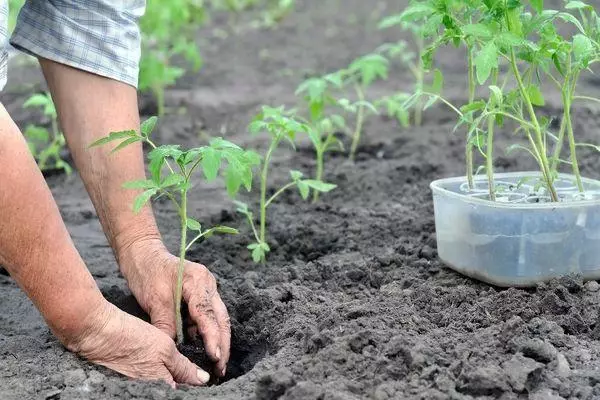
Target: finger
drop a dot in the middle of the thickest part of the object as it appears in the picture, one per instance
(203, 314)
(225, 332)
(185, 371)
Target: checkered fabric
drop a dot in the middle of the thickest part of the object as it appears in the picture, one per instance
(97, 36)
(3, 41)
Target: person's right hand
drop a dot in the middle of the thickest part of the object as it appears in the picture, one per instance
(134, 348)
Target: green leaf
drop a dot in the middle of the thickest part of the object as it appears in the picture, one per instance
(113, 136)
(140, 184)
(497, 94)
(478, 30)
(142, 199)
(538, 5)
(172, 180)
(155, 167)
(486, 61)
(390, 21)
(37, 134)
(148, 126)
(535, 96)
(577, 5)
(319, 186)
(211, 163)
(417, 11)
(296, 175)
(258, 254)
(474, 106)
(303, 188)
(126, 143)
(583, 49)
(193, 225)
(438, 82)
(225, 229)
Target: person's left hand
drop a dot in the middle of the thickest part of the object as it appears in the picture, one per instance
(151, 272)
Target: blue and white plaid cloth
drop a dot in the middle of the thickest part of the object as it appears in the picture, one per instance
(97, 36)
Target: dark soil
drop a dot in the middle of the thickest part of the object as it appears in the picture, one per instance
(353, 302)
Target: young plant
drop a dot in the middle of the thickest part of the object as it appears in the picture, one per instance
(281, 126)
(361, 73)
(218, 156)
(421, 34)
(527, 39)
(46, 145)
(167, 33)
(316, 95)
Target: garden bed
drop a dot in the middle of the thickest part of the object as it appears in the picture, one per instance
(353, 302)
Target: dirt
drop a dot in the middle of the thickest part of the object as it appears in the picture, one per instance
(353, 302)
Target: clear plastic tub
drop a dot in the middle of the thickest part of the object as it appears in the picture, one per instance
(522, 238)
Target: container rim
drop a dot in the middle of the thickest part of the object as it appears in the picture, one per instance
(437, 188)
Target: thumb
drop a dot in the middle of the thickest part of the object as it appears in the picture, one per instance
(164, 321)
(185, 371)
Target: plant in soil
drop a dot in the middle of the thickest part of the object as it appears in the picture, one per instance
(322, 127)
(219, 155)
(167, 30)
(359, 76)
(526, 38)
(46, 145)
(422, 34)
(281, 125)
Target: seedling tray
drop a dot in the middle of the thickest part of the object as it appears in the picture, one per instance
(522, 238)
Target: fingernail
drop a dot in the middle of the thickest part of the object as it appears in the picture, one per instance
(223, 371)
(218, 353)
(203, 376)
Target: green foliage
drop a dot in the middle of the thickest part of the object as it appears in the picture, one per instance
(168, 33)
(46, 145)
(527, 37)
(14, 6)
(281, 125)
(218, 157)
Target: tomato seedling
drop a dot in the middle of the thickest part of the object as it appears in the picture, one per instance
(360, 74)
(219, 155)
(316, 95)
(280, 125)
(46, 145)
(525, 36)
(167, 30)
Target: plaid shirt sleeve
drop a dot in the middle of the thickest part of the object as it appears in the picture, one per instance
(3, 41)
(97, 36)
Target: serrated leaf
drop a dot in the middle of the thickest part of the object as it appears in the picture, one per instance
(37, 100)
(142, 199)
(535, 96)
(148, 126)
(417, 11)
(478, 30)
(126, 143)
(296, 175)
(211, 163)
(140, 184)
(172, 180)
(112, 137)
(193, 225)
(438, 82)
(486, 61)
(582, 49)
(390, 21)
(474, 106)
(155, 167)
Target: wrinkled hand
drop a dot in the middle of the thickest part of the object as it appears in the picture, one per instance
(134, 348)
(151, 275)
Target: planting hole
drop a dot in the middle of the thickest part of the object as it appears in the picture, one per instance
(247, 349)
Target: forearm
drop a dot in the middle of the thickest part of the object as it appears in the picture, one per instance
(90, 107)
(35, 246)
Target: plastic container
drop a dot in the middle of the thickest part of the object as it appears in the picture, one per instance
(522, 238)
